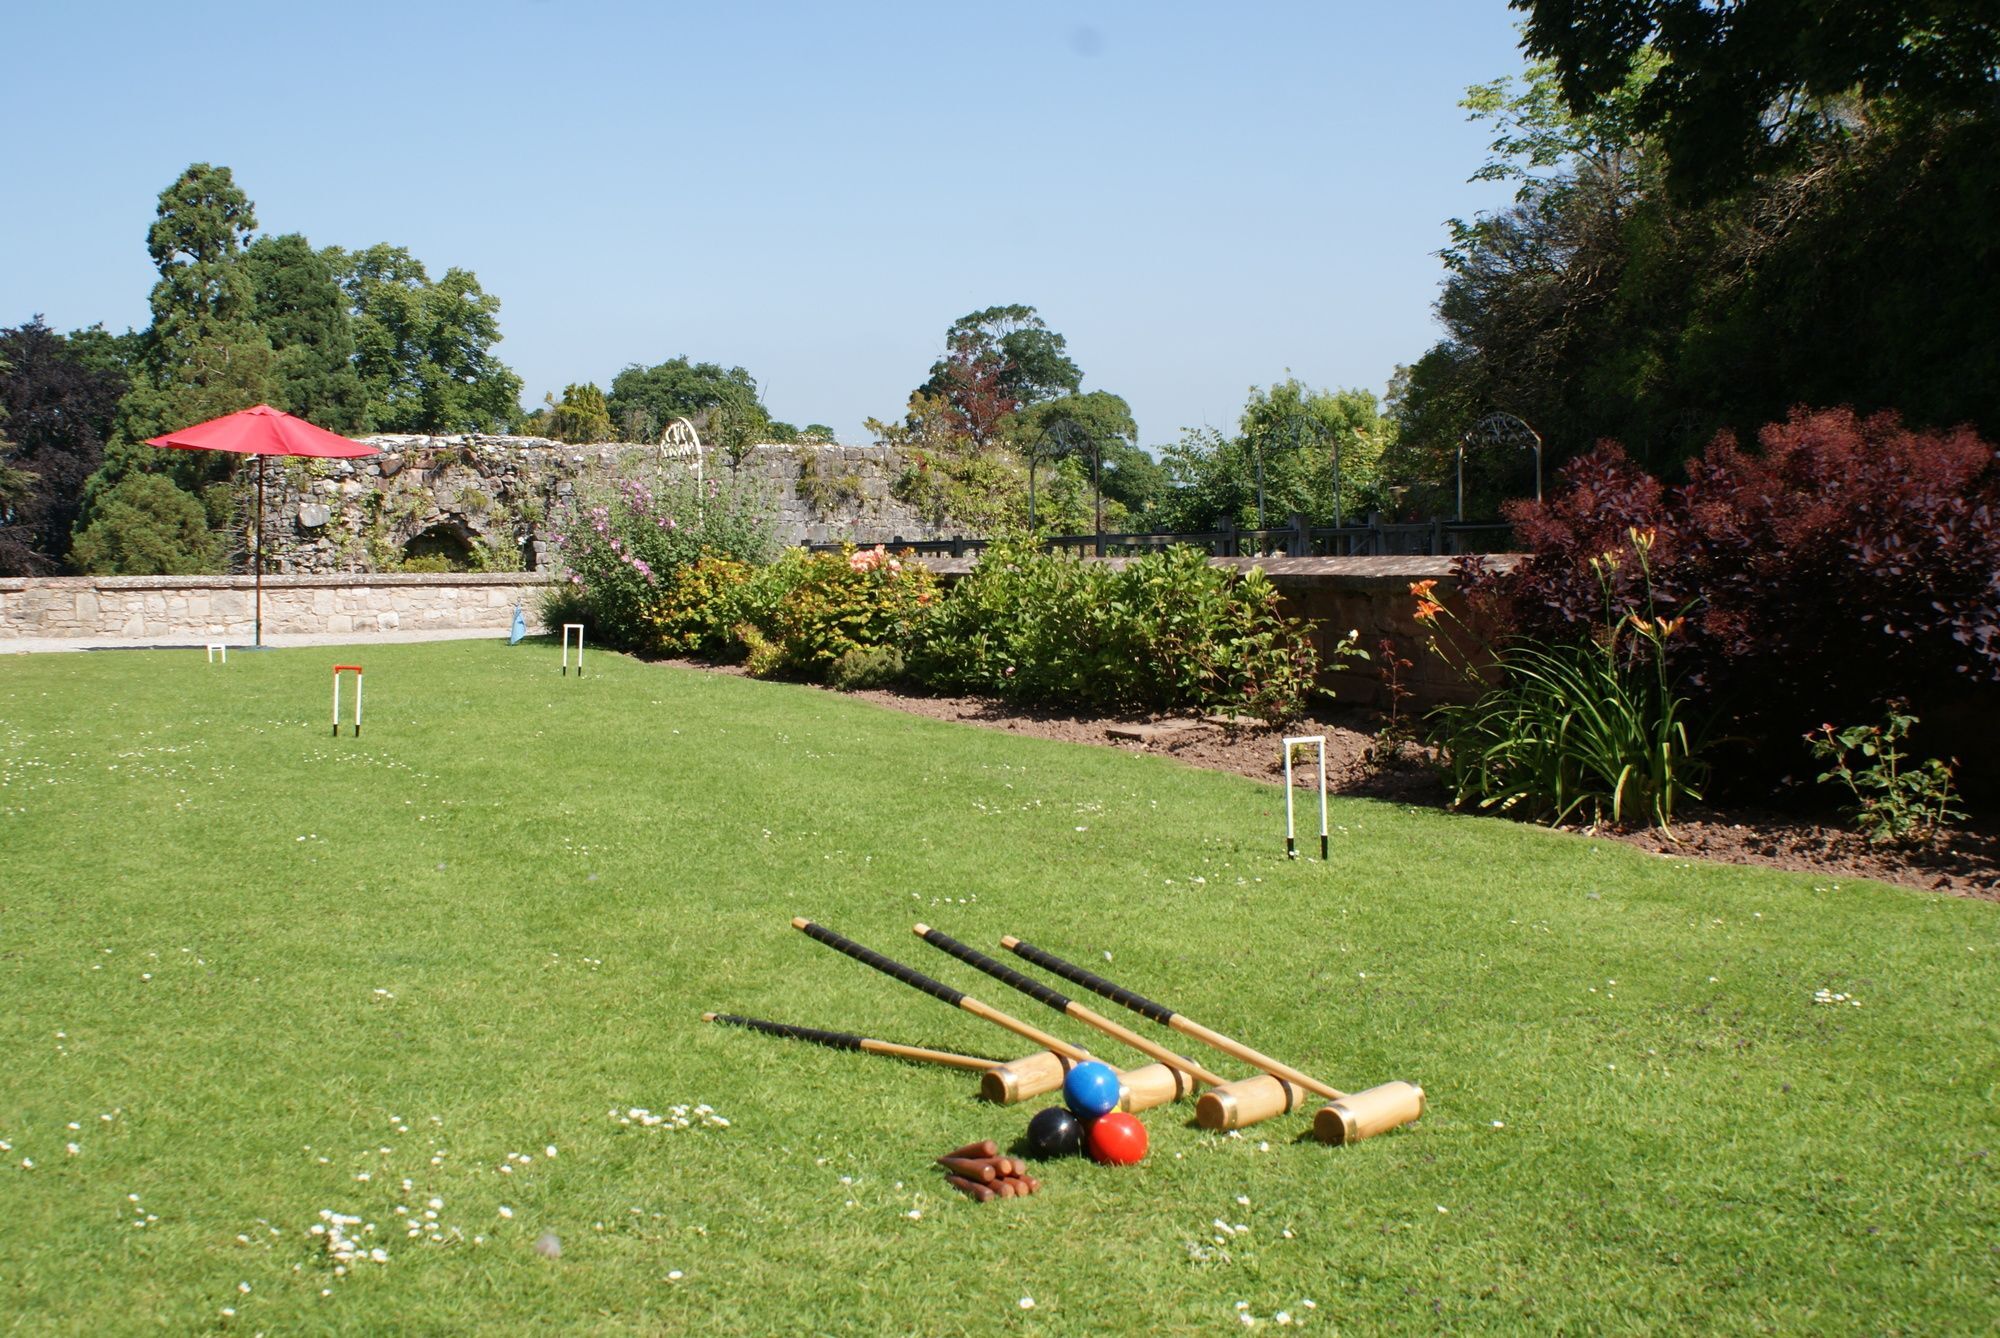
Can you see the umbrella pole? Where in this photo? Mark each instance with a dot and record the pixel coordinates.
(260, 553)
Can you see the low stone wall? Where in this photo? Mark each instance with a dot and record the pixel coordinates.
(182, 609)
(1370, 595)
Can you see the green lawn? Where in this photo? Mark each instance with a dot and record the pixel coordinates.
(245, 965)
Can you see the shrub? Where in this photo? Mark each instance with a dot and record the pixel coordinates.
(1892, 802)
(1597, 723)
(802, 614)
(695, 613)
(1851, 561)
(1167, 631)
(146, 526)
(867, 667)
(619, 546)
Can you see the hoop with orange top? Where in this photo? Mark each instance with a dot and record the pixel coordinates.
(338, 670)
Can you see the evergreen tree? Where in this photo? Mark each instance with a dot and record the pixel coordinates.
(145, 526)
(204, 355)
(299, 306)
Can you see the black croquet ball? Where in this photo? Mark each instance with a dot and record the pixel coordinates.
(1055, 1132)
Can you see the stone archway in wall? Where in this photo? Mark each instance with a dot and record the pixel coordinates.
(448, 542)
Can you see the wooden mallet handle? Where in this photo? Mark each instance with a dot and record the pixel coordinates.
(1167, 1017)
(1062, 1003)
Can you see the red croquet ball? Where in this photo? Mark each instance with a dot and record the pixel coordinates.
(1117, 1139)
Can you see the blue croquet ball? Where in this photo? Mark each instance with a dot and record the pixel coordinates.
(1055, 1133)
(1091, 1089)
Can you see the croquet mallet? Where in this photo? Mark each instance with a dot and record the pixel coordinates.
(845, 1040)
(1144, 1088)
(1351, 1116)
(1063, 1004)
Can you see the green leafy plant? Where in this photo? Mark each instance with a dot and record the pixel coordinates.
(1166, 631)
(146, 526)
(802, 614)
(822, 489)
(697, 613)
(1894, 802)
(1597, 726)
(866, 667)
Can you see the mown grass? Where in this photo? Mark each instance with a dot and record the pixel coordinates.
(497, 916)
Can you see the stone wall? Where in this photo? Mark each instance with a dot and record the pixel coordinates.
(170, 610)
(486, 501)
(1370, 595)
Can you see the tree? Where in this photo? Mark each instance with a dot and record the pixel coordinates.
(1096, 430)
(204, 355)
(580, 416)
(998, 362)
(59, 409)
(423, 349)
(1607, 302)
(677, 388)
(1745, 88)
(298, 304)
(1289, 434)
(146, 526)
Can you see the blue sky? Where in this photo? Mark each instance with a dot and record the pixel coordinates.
(1199, 196)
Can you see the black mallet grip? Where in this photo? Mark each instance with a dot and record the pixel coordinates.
(1000, 971)
(838, 1040)
(868, 957)
(1076, 975)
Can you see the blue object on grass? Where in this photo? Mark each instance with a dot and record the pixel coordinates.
(1091, 1089)
(520, 626)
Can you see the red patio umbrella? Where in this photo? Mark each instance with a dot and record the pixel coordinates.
(260, 432)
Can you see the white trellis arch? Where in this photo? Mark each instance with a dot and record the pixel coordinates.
(681, 442)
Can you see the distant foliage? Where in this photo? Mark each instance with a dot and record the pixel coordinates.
(146, 526)
(1849, 562)
(56, 409)
(298, 303)
(424, 347)
(1724, 210)
(580, 416)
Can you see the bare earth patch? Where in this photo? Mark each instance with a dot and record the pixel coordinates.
(1967, 864)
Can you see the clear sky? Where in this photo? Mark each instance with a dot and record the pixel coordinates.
(1199, 196)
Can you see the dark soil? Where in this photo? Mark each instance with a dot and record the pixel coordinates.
(1967, 863)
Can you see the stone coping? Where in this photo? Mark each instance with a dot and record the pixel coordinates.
(1352, 572)
(333, 580)
(1306, 570)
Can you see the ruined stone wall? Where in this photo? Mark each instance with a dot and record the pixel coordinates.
(487, 500)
